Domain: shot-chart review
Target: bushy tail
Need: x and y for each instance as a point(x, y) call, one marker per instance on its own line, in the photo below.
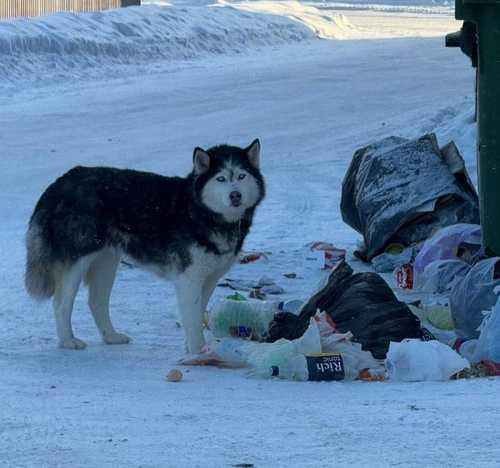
point(39, 278)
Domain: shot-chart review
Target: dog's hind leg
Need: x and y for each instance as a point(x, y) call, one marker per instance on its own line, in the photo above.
point(100, 279)
point(67, 284)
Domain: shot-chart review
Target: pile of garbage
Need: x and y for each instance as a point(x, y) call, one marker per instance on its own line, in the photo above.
point(237, 338)
point(353, 327)
point(451, 265)
point(418, 212)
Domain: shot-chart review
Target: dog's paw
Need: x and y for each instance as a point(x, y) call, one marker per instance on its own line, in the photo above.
point(73, 343)
point(117, 338)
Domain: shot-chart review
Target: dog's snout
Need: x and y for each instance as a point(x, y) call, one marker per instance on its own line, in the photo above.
point(235, 198)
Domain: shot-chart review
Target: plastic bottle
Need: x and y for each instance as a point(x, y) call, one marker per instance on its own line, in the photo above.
point(300, 359)
point(274, 355)
point(235, 352)
point(281, 354)
point(315, 367)
point(294, 368)
point(242, 319)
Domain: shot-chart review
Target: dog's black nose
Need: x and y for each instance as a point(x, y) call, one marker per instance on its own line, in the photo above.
point(235, 198)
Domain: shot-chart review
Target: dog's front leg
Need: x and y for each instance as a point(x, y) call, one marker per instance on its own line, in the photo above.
point(208, 288)
point(190, 303)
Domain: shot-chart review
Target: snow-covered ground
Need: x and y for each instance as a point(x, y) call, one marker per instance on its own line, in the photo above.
point(143, 102)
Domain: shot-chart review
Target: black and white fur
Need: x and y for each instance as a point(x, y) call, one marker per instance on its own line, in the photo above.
point(185, 229)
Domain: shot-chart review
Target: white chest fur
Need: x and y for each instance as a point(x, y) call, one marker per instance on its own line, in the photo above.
point(207, 263)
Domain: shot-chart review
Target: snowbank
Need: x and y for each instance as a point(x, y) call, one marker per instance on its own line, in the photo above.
point(68, 45)
point(325, 23)
point(357, 19)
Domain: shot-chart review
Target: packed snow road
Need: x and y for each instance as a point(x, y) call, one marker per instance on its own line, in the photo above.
point(311, 104)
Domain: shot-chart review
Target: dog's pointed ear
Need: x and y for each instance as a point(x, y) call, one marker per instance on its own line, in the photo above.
point(253, 152)
point(201, 161)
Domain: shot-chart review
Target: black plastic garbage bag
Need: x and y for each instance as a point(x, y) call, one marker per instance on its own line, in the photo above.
point(474, 294)
point(361, 303)
point(400, 191)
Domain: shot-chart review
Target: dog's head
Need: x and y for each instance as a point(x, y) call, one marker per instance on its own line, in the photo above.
point(228, 180)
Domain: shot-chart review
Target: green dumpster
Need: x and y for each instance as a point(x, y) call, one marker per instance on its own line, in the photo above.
point(486, 15)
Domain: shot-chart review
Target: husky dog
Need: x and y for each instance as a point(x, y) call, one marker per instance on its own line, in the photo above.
point(185, 229)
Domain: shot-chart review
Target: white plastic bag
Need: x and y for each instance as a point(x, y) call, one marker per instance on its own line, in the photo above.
point(443, 245)
point(488, 344)
point(440, 276)
point(472, 295)
point(467, 350)
point(414, 361)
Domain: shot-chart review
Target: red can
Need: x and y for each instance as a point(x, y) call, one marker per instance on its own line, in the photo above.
point(404, 276)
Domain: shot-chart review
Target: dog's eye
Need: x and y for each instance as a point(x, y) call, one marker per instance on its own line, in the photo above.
point(221, 179)
point(241, 176)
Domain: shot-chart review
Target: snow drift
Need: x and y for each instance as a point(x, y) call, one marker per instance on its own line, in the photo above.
point(67, 45)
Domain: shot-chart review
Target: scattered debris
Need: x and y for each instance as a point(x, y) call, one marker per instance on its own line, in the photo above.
point(394, 256)
point(251, 257)
point(257, 294)
point(238, 284)
point(479, 370)
point(236, 297)
point(175, 375)
point(404, 276)
point(326, 254)
point(258, 289)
